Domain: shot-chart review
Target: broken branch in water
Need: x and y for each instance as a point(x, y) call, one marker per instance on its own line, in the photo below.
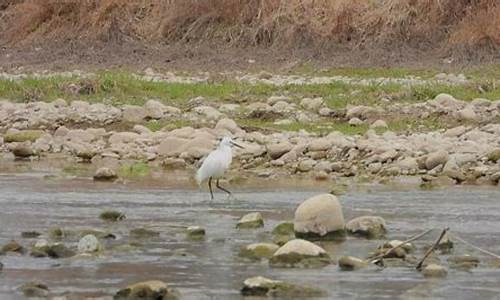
point(431, 249)
point(475, 247)
point(376, 259)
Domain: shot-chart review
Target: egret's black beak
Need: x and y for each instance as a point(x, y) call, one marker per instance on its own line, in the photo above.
point(239, 146)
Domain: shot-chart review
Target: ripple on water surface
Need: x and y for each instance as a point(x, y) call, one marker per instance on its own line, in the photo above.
point(211, 268)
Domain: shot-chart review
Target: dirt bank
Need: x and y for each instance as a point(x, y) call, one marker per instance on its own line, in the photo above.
point(229, 34)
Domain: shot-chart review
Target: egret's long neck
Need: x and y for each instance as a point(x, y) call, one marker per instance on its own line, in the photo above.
point(226, 149)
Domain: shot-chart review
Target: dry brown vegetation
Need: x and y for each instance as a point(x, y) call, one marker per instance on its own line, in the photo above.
point(469, 28)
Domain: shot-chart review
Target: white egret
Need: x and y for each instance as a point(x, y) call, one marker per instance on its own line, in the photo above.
point(216, 163)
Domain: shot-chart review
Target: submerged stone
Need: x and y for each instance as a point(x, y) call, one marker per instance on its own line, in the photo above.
point(263, 287)
point(13, 247)
point(148, 290)
point(251, 220)
point(112, 216)
point(59, 250)
point(195, 232)
point(143, 233)
point(300, 253)
point(258, 250)
point(463, 262)
point(350, 263)
point(434, 270)
point(284, 228)
point(34, 289)
point(98, 233)
point(58, 233)
point(30, 234)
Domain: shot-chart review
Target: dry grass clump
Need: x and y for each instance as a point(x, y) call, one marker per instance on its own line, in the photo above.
point(465, 25)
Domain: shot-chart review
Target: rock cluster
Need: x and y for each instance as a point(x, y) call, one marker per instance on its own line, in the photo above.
point(466, 153)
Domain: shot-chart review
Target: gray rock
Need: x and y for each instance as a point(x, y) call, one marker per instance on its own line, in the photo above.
point(367, 226)
point(55, 250)
point(228, 125)
point(251, 220)
point(276, 150)
point(321, 144)
point(23, 150)
point(264, 287)
point(312, 104)
point(105, 174)
point(379, 124)
point(306, 165)
point(494, 155)
point(374, 168)
point(141, 129)
point(319, 217)
point(154, 109)
point(89, 244)
point(350, 263)
point(275, 99)
point(355, 122)
point(468, 114)
point(147, 290)
point(434, 270)
point(463, 261)
point(300, 253)
point(447, 102)
point(435, 159)
point(173, 164)
point(455, 132)
point(134, 114)
point(362, 112)
point(495, 178)
point(208, 112)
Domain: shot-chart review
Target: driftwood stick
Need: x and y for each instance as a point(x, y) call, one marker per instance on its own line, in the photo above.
point(431, 249)
point(389, 251)
point(475, 247)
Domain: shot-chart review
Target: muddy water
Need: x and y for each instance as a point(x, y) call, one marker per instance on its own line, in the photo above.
point(210, 269)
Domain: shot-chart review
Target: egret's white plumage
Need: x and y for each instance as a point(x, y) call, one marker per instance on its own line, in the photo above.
point(216, 163)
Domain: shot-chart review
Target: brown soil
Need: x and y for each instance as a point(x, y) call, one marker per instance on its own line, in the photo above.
point(226, 34)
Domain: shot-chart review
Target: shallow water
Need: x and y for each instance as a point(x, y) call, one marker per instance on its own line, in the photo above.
point(211, 269)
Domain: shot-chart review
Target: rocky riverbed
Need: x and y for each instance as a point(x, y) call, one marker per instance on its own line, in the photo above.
point(97, 196)
point(465, 151)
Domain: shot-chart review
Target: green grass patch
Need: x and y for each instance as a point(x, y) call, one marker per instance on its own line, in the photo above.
point(22, 136)
point(372, 72)
point(323, 127)
point(138, 169)
point(116, 88)
point(156, 125)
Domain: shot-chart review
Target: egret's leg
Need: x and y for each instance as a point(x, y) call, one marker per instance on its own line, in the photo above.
point(221, 188)
point(210, 188)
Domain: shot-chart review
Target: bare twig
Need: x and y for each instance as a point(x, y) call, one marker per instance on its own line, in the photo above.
point(456, 237)
point(377, 258)
point(431, 249)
